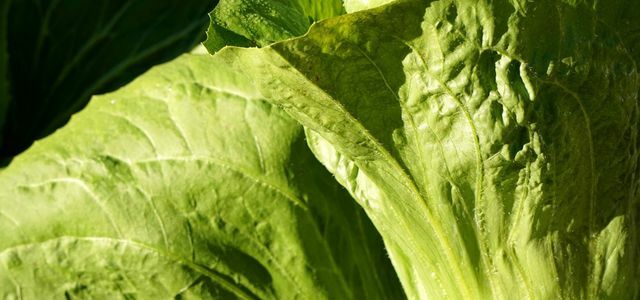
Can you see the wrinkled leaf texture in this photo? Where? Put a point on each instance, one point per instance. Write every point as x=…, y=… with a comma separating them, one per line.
x=261, y=22
x=214, y=196
x=493, y=144
x=298, y=246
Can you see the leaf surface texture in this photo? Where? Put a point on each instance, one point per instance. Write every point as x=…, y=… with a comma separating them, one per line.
x=215, y=196
x=493, y=144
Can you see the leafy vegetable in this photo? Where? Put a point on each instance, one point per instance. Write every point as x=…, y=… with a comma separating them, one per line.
x=215, y=196
x=358, y=5
x=62, y=52
x=251, y=22
x=493, y=146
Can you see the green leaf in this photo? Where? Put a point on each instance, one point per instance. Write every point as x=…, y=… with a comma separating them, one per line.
x=62, y=52
x=320, y=10
x=248, y=23
x=183, y=184
x=621, y=17
x=358, y=5
x=494, y=145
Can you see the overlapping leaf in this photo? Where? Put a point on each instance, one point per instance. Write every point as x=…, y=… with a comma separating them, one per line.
x=262, y=22
x=183, y=184
x=494, y=145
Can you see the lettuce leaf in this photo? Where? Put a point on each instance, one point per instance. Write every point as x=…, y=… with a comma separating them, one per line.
x=358, y=5
x=183, y=184
x=248, y=23
x=493, y=145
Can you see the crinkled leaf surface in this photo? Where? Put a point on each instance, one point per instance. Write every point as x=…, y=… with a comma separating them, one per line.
x=493, y=144
x=183, y=184
x=62, y=52
x=262, y=22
